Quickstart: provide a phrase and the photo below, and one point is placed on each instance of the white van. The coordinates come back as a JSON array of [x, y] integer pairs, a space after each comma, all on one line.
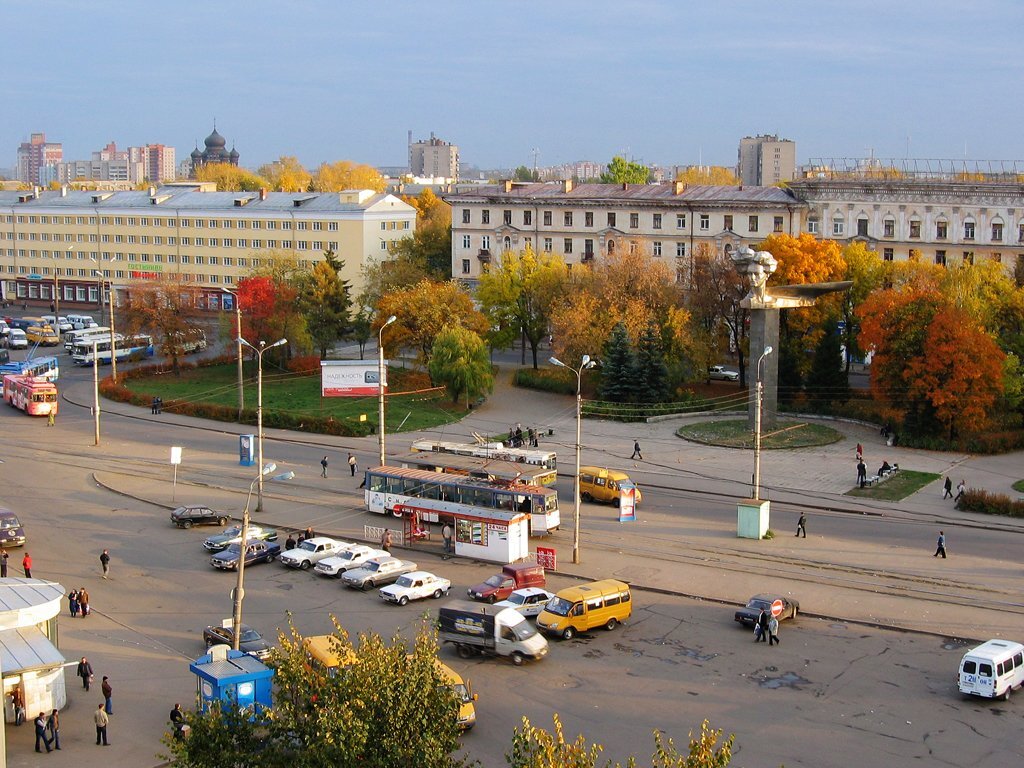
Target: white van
[[992, 670], [81, 321]]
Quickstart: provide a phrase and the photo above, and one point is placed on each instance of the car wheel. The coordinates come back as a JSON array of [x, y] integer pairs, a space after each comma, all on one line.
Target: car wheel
[[367, 585], [612, 623], [517, 659], [270, 558], [437, 594], [464, 651], [403, 600], [222, 521], [1006, 695], [304, 565], [586, 496], [492, 599], [568, 633], [209, 642], [186, 524]]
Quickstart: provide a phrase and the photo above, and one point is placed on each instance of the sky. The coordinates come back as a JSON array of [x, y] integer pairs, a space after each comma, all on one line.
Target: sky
[[661, 81]]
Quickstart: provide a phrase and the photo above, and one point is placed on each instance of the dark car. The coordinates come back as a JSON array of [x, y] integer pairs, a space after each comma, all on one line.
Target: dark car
[[256, 552], [250, 641], [197, 514], [12, 534], [748, 615], [233, 535]]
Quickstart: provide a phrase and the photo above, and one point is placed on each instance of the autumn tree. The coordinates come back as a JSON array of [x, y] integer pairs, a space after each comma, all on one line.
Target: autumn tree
[[230, 178], [286, 174], [868, 273], [324, 301], [459, 360], [623, 171], [344, 174], [167, 310], [268, 299], [715, 300], [713, 175]]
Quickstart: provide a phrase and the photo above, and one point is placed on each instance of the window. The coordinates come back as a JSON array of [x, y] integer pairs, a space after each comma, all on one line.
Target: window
[[567, 218], [547, 218], [915, 229], [705, 222], [286, 225], [528, 218], [611, 223], [837, 226], [889, 228], [862, 227], [465, 215], [634, 220], [258, 225], [727, 221], [547, 244], [968, 257], [657, 221], [588, 218], [968, 230], [997, 232], [812, 226], [657, 247], [485, 216], [383, 245], [507, 216], [752, 223], [332, 226], [588, 248], [777, 224], [485, 242], [567, 245], [383, 225], [887, 254], [680, 221], [940, 258], [941, 230], [271, 225], [466, 241], [1020, 233], [465, 266], [680, 250]]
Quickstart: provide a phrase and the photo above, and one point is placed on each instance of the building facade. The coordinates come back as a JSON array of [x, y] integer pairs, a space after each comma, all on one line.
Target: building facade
[[55, 240], [590, 221], [36, 154], [766, 160], [435, 159]]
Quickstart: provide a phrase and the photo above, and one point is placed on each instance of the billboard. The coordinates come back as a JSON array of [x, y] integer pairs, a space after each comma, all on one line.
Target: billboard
[[350, 378]]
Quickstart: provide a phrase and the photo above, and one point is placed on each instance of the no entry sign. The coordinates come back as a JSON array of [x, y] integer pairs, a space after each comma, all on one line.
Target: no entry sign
[[777, 608]]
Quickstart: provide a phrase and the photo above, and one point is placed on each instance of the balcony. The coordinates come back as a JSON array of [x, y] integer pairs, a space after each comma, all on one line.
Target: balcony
[[484, 255], [587, 256]]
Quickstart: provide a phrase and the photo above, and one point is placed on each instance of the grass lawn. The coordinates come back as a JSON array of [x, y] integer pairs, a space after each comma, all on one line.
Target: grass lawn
[[896, 487], [284, 391], [734, 433]]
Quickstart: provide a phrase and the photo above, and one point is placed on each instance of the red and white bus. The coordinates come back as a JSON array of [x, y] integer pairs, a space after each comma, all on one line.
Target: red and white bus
[[35, 395]]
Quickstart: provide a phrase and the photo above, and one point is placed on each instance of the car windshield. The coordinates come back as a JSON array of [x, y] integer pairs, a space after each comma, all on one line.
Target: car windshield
[[524, 630], [6, 523], [558, 606], [403, 581], [308, 546], [516, 599], [250, 636], [462, 693], [234, 549], [372, 566], [349, 555], [759, 605], [495, 581]]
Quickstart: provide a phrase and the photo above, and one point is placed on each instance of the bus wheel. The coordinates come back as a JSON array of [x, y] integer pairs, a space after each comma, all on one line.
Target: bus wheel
[[568, 633], [464, 651]]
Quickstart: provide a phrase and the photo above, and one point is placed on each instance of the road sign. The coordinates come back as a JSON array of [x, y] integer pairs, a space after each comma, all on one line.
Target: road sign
[[777, 608]]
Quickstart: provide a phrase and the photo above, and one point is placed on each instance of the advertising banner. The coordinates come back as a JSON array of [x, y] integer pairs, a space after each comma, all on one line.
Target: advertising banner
[[350, 378], [548, 558], [246, 450], [627, 502]]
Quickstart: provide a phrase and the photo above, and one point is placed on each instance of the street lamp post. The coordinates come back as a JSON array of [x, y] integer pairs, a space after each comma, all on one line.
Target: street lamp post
[[259, 350], [585, 364], [238, 335], [380, 384], [239, 591], [758, 394], [110, 304]]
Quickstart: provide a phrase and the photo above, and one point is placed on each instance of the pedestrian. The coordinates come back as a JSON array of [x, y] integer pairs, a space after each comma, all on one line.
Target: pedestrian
[[83, 602], [3, 563], [940, 546], [177, 718], [105, 563], [308, 534], [947, 488], [446, 537], [762, 623], [26, 563], [108, 691], [323, 467], [860, 452], [51, 417], [773, 631], [385, 541], [801, 525], [18, 700], [636, 451], [102, 720], [862, 473], [519, 435], [352, 464], [85, 672], [961, 488], [41, 732], [289, 543], [73, 603], [152, 407], [53, 726], [159, 406]]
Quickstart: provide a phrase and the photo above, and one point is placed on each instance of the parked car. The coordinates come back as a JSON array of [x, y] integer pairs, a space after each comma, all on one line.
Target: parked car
[[197, 514], [722, 373], [12, 534], [249, 640], [529, 601], [5, 329], [353, 557], [415, 586], [233, 535], [380, 570], [256, 552], [748, 615], [312, 551], [513, 576], [17, 339]]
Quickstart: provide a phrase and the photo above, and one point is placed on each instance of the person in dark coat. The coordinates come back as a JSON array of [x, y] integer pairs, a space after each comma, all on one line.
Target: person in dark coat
[[862, 473], [947, 488], [801, 525], [41, 732], [762, 622], [3, 563], [73, 603], [85, 672]]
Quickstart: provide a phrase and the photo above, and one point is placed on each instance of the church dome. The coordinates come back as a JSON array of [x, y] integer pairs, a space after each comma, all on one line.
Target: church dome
[[215, 141], [196, 155], [233, 154]]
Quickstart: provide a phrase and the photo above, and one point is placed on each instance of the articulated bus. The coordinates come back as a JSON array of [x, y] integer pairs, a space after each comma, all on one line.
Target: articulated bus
[[487, 469], [34, 396], [45, 367], [85, 334], [127, 348], [390, 486], [535, 456]]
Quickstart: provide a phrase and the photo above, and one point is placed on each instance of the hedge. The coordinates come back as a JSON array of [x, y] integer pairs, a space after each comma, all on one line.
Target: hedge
[[975, 500]]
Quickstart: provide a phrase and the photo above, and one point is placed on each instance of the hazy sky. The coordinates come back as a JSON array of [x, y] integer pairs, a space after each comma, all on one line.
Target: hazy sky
[[668, 81]]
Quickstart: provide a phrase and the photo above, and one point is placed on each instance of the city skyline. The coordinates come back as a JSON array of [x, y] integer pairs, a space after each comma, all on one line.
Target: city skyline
[[655, 80]]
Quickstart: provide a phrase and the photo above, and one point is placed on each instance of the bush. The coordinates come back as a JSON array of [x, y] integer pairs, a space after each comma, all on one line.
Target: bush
[[557, 380], [304, 364], [975, 500]]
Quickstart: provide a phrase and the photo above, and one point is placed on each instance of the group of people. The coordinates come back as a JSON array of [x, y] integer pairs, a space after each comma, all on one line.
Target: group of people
[[517, 439], [947, 489], [293, 541], [862, 468], [766, 628], [78, 601], [157, 406], [26, 564], [103, 712], [353, 465]]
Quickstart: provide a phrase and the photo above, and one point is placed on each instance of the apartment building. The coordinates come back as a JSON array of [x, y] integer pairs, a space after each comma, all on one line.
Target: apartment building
[[766, 160], [35, 154], [56, 240], [586, 221], [434, 159]]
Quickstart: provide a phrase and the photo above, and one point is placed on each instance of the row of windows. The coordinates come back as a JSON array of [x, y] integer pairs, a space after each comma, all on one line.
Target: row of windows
[[658, 248], [147, 221], [117, 274], [657, 219], [889, 229], [203, 242], [142, 258]]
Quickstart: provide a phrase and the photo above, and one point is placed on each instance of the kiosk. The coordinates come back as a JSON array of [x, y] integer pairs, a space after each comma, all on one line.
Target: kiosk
[[232, 677]]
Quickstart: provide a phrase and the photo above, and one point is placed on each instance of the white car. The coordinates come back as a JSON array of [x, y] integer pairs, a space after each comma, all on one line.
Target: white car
[[312, 551], [353, 557], [17, 339], [722, 373], [529, 601], [415, 586]]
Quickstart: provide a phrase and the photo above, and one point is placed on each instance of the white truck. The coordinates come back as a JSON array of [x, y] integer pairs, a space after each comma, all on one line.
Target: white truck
[[480, 628], [379, 570], [311, 551], [353, 557], [415, 586]]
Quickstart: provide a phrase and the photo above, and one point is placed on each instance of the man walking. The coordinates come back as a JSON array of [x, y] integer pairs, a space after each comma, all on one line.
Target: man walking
[[41, 732], [446, 537], [85, 672], [762, 624], [102, 720], [385, 541], [948, 488], [53, 726], [177, 718], [801, 525], [352, 465], [3, 563], [636, 451], [961, 487], [26, 563], [108, 691], [323, 465], [105, 563], [940, 547]]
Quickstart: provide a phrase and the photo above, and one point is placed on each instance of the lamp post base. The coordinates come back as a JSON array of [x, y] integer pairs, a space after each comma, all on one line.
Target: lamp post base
[[752, 518]]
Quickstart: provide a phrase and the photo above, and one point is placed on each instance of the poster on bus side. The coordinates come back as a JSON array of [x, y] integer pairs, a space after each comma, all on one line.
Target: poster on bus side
[[350, 378]]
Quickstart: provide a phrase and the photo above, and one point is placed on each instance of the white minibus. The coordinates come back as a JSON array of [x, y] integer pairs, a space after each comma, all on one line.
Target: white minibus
[[992, 670]]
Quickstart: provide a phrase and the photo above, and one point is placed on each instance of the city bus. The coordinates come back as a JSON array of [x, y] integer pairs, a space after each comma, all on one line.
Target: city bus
[[387, 487], [127, 348], [45, 367], [85, 334], [34, 396], [535, 456], [488, 469], [190, 340]]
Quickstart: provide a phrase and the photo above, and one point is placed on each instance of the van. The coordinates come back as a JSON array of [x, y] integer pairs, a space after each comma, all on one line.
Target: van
[[43, 335], [81, 321], [12, 534], [25, 322], [604, 603], [513, 576], [463, 693], [992, 670], [17, 339], [605, 485]]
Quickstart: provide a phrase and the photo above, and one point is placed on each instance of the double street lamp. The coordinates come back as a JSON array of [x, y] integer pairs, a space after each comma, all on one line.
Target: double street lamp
[[110, 302], [259, 350], [584, 365], [243, 547], [380, 384], [759, 395]]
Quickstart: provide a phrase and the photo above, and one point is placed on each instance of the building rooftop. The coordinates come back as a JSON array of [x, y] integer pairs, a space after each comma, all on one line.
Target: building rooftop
[[562, 192]]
